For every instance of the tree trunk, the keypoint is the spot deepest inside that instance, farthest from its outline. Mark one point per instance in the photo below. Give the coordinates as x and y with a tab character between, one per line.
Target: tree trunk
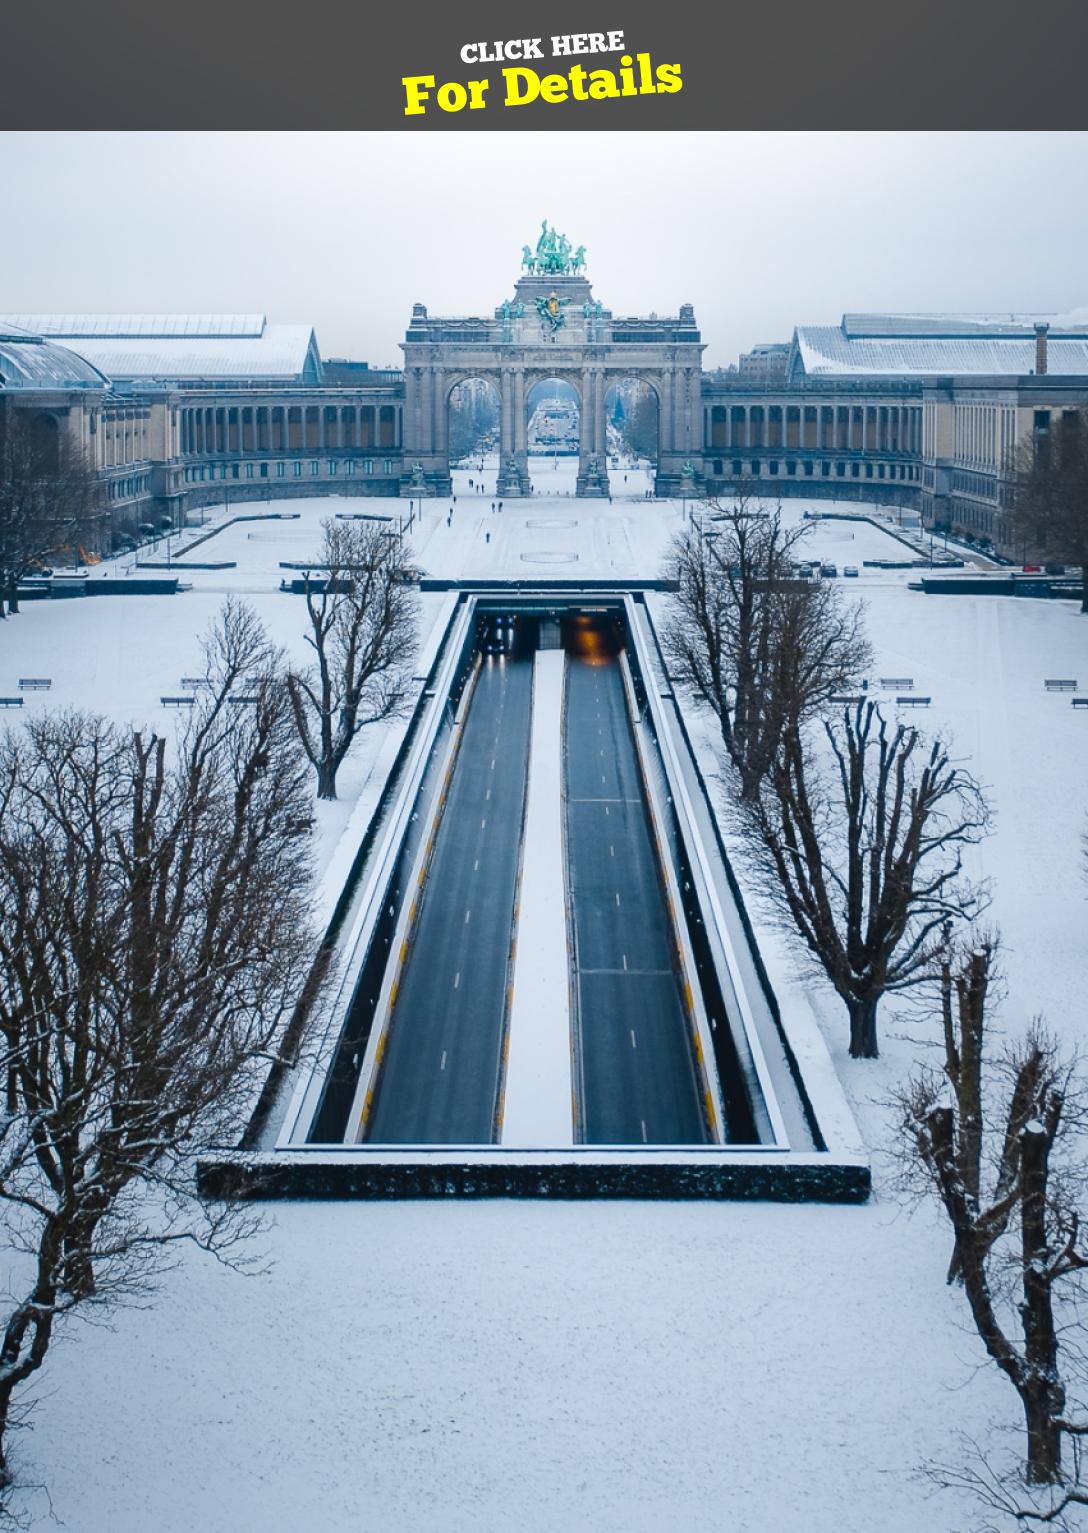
6	1392
1044	1462
326	779
863	1028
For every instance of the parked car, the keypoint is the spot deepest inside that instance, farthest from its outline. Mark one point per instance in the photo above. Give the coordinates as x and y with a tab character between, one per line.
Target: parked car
851	570
829	571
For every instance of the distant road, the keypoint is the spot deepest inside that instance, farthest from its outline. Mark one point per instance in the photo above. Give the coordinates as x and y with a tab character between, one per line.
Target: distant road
440	1078
635	1075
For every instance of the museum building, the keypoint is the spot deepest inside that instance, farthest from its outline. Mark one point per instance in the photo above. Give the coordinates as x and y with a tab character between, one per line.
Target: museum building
180	411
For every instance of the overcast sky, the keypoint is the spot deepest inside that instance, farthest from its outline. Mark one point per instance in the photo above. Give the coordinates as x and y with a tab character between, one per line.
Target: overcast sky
760	231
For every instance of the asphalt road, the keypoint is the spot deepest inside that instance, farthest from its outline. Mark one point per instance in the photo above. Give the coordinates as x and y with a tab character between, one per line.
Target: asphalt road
440	1078
635	1076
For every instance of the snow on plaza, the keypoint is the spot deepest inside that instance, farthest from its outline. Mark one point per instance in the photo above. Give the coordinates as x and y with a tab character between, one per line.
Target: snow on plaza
620	1367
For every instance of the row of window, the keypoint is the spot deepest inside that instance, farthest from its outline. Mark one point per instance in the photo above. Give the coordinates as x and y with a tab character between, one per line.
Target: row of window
262	470
127	489
904	471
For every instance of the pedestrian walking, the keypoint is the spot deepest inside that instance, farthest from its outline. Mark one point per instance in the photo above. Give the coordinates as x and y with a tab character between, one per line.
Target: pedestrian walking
487	537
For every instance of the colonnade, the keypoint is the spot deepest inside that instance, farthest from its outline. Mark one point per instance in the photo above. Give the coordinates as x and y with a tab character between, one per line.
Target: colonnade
236	428
817	427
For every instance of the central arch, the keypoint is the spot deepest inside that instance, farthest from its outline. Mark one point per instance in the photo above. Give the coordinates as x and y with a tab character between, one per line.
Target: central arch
553	434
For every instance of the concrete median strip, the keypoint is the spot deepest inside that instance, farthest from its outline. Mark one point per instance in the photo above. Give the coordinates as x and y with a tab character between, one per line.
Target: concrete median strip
537	1109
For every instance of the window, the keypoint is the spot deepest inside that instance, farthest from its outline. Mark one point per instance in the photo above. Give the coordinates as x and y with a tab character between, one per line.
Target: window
755	466
809	467
349	466
296	469
388	468
737	469
368	465
791	468
840	469
313	468
233	470
281	469
855	470
825	470
264	470
332	466
249	470
717	465
772	467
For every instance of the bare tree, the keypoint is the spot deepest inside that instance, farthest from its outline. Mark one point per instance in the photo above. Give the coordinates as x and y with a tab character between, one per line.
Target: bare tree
861	852
362	633
1050	495
154	929
759	647
50	498
986	1139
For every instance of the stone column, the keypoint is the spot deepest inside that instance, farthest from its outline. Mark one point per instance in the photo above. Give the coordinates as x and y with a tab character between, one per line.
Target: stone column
601	417
509	480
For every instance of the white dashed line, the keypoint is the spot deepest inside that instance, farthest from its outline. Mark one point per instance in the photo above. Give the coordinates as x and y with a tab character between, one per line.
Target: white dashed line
469	912
643	1123
634	1045
442	1066
457	980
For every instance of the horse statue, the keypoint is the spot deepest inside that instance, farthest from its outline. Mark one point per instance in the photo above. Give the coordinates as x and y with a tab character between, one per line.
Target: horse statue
528	259
578	260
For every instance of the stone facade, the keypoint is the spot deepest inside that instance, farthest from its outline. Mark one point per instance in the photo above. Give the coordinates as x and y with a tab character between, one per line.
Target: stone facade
517	347
824	423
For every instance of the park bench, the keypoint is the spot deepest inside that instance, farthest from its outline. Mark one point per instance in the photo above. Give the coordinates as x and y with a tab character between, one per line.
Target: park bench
913	701
1057	684
242	698
847	697
1080	702
11	702
898	683
35	683
177	702
196	681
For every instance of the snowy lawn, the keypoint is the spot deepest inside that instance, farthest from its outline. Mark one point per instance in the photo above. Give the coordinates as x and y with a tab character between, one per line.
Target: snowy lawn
546	1368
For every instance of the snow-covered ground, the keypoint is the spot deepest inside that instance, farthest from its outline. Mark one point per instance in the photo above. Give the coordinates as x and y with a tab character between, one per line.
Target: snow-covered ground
612	1368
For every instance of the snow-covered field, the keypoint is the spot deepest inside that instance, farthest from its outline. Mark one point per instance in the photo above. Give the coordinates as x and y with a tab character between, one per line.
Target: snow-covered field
553	1368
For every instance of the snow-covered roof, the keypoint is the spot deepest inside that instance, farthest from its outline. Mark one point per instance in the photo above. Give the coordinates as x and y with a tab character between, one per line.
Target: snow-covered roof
158	325
944	344
184	347
28	362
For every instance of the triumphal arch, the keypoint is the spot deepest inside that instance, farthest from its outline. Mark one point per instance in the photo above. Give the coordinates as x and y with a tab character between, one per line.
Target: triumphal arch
552	327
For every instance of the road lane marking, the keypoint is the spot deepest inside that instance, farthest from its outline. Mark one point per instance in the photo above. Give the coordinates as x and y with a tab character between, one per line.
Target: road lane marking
442	1066
457	980
611	851
617	896
643	1122
625	962
634	1045
482	824
487	795
476	866
467	914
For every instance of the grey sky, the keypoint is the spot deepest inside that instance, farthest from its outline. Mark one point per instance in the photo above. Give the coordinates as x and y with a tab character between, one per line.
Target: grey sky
761	231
